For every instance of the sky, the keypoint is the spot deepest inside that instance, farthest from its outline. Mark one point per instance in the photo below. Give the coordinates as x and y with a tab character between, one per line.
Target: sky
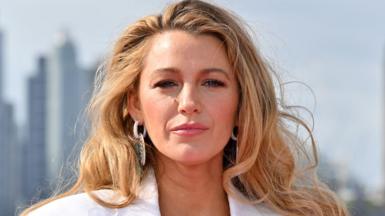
337	48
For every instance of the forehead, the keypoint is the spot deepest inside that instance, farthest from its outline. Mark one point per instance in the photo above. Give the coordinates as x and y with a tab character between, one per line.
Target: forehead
185	51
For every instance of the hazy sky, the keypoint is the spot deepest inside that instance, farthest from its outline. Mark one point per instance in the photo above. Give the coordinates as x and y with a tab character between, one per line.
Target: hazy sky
335	47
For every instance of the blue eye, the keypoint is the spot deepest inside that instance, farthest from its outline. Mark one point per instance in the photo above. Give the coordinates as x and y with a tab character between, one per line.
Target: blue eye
213	83
165	84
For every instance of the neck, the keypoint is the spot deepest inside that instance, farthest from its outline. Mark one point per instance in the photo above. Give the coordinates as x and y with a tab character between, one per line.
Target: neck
191	189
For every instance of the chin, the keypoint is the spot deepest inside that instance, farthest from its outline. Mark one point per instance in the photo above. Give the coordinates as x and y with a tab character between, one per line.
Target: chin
190	154
192	157
192	161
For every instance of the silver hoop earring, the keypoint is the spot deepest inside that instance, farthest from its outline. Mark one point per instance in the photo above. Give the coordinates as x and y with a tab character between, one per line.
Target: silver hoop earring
140	146
233	137
136	132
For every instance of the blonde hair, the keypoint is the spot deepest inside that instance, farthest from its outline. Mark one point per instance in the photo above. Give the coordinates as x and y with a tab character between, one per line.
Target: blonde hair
266	169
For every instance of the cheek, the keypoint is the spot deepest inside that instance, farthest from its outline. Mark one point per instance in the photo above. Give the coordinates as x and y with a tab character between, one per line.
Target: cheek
156	110
224	109
223	113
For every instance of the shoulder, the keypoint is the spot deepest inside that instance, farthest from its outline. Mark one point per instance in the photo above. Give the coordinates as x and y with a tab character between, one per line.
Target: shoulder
146	203
265	211
78	204
238	208
83	204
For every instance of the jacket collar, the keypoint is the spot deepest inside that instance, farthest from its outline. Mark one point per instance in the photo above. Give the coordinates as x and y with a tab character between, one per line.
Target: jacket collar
147	202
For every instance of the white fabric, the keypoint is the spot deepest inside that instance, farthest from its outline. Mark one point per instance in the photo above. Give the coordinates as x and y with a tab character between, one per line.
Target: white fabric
145	205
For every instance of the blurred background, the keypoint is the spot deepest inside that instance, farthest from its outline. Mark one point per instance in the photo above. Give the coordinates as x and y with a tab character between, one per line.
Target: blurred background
49	52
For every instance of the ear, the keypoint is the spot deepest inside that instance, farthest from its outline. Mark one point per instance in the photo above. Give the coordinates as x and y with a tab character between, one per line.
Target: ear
236	120
133	106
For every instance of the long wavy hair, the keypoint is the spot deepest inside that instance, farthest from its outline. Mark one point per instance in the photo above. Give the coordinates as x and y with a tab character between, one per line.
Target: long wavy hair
266	169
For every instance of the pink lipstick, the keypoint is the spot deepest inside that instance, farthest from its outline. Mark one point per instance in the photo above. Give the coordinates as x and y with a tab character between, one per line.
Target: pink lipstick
189	129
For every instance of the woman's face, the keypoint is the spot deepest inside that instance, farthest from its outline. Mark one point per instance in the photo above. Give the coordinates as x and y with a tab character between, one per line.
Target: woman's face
188	97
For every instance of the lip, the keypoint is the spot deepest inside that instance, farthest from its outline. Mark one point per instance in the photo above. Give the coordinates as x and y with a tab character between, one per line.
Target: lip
189	129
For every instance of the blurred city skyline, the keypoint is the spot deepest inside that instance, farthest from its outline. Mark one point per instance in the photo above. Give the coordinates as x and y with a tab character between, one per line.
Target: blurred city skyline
337	48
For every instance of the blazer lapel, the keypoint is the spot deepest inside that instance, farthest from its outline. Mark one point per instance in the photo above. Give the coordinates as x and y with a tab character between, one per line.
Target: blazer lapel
147	203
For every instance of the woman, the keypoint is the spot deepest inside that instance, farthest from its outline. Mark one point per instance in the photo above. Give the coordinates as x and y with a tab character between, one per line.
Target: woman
186	122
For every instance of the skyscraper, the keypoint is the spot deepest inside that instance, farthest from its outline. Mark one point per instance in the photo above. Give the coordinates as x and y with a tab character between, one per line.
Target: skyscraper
64	83
383	128
9	186
34	148
8	148
1	66
4	169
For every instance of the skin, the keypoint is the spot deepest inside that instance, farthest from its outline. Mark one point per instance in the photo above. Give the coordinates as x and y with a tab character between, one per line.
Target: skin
188	79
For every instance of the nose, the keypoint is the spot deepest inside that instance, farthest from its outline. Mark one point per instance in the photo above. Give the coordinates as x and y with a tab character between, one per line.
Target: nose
188	100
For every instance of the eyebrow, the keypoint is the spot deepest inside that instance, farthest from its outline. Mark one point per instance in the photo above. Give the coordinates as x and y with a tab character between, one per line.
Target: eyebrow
203	71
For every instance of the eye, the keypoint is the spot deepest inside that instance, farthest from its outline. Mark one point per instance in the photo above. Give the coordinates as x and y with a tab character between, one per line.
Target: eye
165	84
213	83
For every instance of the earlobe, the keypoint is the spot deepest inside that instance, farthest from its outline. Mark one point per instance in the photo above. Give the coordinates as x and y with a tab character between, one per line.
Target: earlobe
133	106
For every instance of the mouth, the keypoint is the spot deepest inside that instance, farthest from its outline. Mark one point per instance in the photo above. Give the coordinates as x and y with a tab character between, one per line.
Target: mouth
189	129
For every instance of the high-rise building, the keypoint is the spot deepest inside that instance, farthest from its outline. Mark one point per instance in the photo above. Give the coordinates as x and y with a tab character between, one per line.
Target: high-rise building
2	125
65	80
382	196
87	91
7	173
1	66
34	148
8	178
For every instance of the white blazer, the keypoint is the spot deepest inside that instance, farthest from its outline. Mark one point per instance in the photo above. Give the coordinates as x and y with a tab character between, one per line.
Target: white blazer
145	205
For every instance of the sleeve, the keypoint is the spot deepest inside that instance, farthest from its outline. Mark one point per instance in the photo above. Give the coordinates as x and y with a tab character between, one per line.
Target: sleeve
79	204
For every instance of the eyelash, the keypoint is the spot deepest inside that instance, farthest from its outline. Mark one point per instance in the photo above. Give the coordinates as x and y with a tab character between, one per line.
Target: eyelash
214	83
211	83
165	84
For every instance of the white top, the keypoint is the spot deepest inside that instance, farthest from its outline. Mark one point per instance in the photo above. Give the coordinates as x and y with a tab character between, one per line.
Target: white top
145	205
